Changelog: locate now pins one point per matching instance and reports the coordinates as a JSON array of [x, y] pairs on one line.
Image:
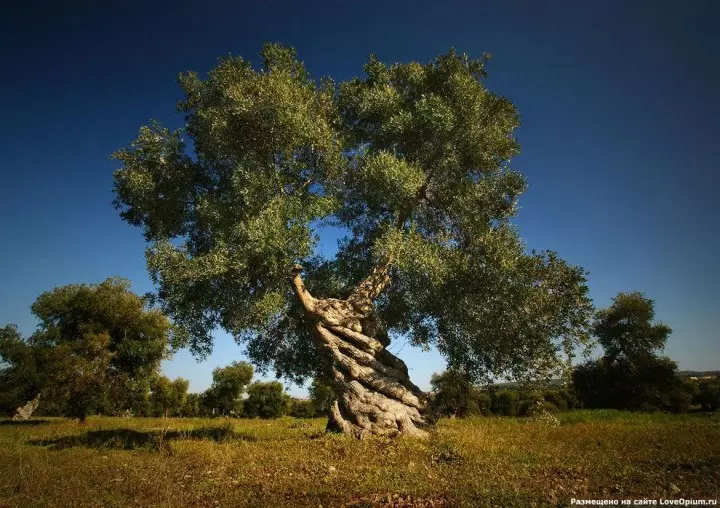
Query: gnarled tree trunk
[[374, 392]]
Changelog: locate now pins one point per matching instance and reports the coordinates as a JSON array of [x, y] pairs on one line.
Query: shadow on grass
[[22, 423], [128, 439]]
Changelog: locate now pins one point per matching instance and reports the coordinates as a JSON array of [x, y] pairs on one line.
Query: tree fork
[[374, 393]]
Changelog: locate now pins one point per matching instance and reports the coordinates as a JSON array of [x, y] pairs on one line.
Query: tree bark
[[374, 393]]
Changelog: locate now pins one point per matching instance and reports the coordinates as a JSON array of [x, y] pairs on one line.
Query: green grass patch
[[475, 462]]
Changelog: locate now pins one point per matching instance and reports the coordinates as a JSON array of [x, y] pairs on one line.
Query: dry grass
[[476, 462]]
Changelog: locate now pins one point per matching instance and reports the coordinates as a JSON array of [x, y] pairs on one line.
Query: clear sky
[[619, 103]]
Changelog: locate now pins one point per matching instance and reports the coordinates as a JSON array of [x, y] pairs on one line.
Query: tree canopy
[[631, 375], [265, 400], [625, 329], [411, 161], [228, 384], [96, 346], [168, 396]]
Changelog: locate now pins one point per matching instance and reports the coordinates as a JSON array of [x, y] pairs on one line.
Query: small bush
[[708, 395], [506, 403], [302, 409]]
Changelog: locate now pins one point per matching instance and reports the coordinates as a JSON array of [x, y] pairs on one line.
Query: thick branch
[[306, 299], [369, 289]]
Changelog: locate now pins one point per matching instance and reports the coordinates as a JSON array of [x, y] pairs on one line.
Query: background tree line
[[631, 375], [98, 348]]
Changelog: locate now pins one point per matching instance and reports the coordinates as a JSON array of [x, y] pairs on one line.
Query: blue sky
[[619, 103]]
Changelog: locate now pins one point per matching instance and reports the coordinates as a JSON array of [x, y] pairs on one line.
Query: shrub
[[454, 394], [505, 403], [321, 395], [557, 399], [647, 384], [300, 408], [483, 402], [708, 395]]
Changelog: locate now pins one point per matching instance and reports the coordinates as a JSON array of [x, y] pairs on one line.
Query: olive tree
[[94, 342], [412, 162], [631, 374], [228, 385]]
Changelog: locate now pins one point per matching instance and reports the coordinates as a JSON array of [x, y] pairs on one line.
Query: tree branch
[[307, 300]]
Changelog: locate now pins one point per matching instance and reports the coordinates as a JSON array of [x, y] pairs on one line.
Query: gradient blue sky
[[619, 104]]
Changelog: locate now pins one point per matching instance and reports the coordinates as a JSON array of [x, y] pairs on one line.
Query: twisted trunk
[[374, 392]]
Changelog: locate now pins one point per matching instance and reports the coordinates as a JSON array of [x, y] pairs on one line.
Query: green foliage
[[453, 394], [680, 399], [21, 377], [411, 160], [621, 384], [168, 397], [630, 375], [625, 330], [505, 403], [708, 395], [228, 385], [300, 408], [562, 399], [321, 396], [192, 406], [265, 400], [95, 348]]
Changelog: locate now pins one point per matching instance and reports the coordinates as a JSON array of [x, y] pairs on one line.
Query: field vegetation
[[478, 461]]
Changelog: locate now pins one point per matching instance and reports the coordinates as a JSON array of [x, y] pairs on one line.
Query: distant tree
[[681, 397], [630, 375], [137, 397], [625, 329], [168, 397], [708, 394], [94, 342], [192, 406], [505, 403], [322, 396], [265, 400], [455, 395], [302, 408], [562, 399], [228, 385], [20, 378]]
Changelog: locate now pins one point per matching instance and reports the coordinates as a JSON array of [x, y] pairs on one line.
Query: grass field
[[288, 462]]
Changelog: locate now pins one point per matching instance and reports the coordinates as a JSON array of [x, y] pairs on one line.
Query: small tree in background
[[321, 395], [168, 397], [94, 346], [228, 385], [505, 403], [265, 400], [20, 378], [708, 395], [301, 408], [625, 329], [455, 395], [192, 406], [630, 375]]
